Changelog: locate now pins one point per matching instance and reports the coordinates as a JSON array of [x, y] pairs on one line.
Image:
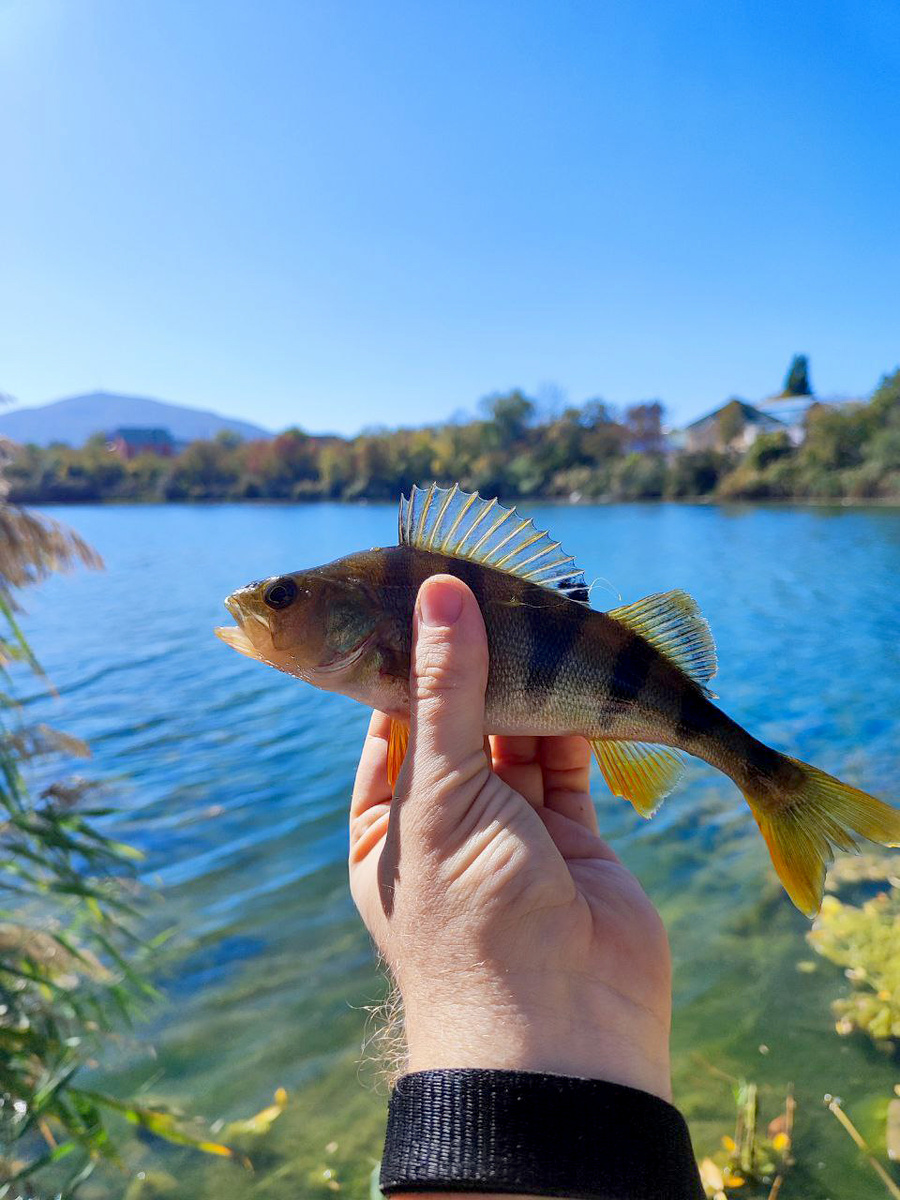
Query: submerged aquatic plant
[[867, 867], [751, 1164], [864, 939]]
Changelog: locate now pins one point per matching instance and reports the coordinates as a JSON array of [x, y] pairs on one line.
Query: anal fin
[[398, 740], [642, 773]]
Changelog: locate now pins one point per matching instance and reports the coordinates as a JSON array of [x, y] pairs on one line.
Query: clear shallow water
[[235, 780]]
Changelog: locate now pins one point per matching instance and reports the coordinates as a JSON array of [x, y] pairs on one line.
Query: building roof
[[781, 401], [751, 415], [143, 437]]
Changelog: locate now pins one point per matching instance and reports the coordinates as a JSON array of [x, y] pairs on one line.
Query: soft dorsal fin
[[674, 625], [461, 524]]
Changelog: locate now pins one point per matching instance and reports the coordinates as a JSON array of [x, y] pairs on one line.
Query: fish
[[633, 681]]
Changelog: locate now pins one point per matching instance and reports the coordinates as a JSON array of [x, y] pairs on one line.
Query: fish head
[[321, 625]]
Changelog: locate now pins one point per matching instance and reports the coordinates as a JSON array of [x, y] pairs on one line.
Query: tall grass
[[71, 961]]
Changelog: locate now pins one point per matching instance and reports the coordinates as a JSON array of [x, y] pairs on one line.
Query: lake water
[[235, 780]]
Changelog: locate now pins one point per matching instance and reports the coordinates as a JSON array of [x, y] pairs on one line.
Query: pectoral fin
[[642, 774], [398, 740]]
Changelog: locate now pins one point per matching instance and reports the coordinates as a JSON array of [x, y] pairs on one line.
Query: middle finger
[[516, 760]]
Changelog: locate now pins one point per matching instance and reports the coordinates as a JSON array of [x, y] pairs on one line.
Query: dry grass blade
[[69, 961], [31, 546], [834, 1105]]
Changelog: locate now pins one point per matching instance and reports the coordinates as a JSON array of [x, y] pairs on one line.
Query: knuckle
[[435, 674], [440, 669], [443, 779], [462, 781]]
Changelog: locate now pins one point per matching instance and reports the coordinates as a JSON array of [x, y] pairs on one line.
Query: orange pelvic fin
[[641, 773], [398, 740]]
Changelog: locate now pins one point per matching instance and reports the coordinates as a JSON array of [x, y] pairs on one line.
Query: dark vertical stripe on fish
[[764, 759], [392, 569], [472, 574], [630, 670], [401, 573], [553, 633], [693, 715]]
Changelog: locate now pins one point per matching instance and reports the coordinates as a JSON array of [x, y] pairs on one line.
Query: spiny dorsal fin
[[674, 625], [641, 773], [461, 524]]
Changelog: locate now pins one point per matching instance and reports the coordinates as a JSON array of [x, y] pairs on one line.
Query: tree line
[[510, 449]]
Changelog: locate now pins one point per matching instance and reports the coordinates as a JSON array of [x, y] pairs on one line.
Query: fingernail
[[440, 603]]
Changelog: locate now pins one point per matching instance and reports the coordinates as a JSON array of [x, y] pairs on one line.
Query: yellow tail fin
[[802, 827]]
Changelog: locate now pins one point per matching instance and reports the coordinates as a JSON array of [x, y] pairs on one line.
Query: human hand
[[517, 938]]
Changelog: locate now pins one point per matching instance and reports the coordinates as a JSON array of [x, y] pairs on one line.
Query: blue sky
[[342, 214]]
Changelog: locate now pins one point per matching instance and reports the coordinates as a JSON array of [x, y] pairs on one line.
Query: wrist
[[530, 1027]]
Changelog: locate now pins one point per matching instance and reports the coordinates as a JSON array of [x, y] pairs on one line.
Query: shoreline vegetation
[[847, 454], [74, 964]]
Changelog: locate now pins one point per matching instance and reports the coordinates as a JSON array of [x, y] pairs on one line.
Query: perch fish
[[633, 681]]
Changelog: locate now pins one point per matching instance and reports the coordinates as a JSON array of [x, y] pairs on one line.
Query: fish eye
[[280, 594]]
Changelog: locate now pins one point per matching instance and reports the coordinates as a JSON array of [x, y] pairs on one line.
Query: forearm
[[532, 1023]]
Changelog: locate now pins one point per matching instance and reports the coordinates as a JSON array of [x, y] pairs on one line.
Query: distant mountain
[[74, 420]]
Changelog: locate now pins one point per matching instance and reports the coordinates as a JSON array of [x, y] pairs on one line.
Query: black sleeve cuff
[[542, 1135]]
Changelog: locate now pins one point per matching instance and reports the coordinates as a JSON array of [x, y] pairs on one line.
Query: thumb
[[448, 677]]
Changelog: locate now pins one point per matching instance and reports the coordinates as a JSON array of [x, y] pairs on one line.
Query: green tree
[[796, 382], [695, 474], [835, 438], [206, 470], [638, 477], [644, 425], [604, 437], [885, 403], [146, 476], [335, 468], [769, 448], [511, 414]]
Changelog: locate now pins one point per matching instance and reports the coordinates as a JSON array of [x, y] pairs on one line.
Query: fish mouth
[[235, 637], [253, 637], [244, 614], [240, 637]]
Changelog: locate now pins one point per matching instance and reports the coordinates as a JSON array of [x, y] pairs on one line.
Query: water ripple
[[235, 780]]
